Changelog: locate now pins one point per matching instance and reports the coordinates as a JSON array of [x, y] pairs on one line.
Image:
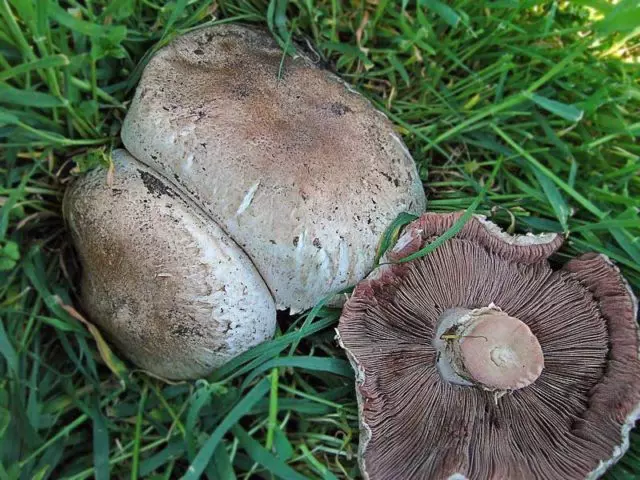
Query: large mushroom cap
[[444, 395], [171, 289], [301, 171]]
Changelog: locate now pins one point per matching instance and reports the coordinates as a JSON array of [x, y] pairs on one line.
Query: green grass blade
[[313, 461], [8, 351], [271, 348], [174, 449], [223, 465], [137, 439], [624, 17], [14, 96], [391, 234], [100, 443], [46, 62], [547, 172], [447, 13], [330, 365], [458, 224], [568, 112], [199, 399], [239, 410], [554, 197], [261, 455], [82, 26]]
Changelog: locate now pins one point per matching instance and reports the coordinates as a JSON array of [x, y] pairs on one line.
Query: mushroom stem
[[487, 348]]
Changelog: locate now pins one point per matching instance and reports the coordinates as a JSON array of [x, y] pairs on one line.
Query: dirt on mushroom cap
[[299, 169], [167, 285], [571, 423]]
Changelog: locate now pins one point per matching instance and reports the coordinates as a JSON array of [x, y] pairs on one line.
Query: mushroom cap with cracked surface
[[299, 169]]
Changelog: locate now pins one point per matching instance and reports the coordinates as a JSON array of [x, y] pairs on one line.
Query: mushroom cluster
[[480, 361], [251, 181]]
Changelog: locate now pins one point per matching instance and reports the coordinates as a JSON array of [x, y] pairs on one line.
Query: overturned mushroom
[[480, 361], [273, 158]]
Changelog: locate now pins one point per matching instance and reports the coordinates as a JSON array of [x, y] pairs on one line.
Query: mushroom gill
[[567, 416]]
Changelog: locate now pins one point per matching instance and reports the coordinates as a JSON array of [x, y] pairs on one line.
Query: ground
[[526, 111]]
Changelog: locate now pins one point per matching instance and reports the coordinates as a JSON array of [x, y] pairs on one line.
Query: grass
[[528, 111]]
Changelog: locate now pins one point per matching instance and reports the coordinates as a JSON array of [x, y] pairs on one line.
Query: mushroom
[[171, 289], [299, 169], [480, 361], [270, 165]]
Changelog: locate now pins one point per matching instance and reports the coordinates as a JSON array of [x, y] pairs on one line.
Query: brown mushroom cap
[[172, 290], [300, 170], [572, 422]]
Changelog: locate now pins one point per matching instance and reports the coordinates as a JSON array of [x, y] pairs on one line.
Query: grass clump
[[527, 111]]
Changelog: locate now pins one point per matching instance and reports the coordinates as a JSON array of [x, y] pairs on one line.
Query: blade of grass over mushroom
[[460, 222], [613, 255], [285, 51], [111, 360], [391, 234], [450, 233]]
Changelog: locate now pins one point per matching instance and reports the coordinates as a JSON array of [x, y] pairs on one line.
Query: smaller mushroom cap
[[432, 413], [168, 286]]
